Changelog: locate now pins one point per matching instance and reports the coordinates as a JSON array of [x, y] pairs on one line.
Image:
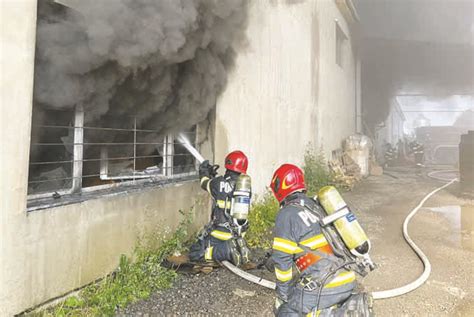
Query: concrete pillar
[[17, 34]]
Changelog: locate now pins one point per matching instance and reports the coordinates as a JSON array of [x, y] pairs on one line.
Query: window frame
[[169, 140], [342, 41]]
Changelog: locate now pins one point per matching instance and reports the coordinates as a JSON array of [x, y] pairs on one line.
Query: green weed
[[133, 280], [316, 171], [261, 222]]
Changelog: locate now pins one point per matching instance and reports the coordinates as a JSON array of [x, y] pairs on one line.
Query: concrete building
[[296, 82]]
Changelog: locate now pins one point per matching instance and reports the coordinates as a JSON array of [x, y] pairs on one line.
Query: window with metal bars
[[69, 156]]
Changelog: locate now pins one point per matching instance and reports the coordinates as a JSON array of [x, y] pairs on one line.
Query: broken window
[[51, 151], [73, 150]]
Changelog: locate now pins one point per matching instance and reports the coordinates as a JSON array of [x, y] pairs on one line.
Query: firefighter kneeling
[[222, 239], [322, 283]]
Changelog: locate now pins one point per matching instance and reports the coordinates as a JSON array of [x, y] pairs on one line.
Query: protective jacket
[[307, 271], [221, 189], [418, 151], [390, 154]]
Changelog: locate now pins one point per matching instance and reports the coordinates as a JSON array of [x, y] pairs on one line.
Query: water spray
[[185, 142]]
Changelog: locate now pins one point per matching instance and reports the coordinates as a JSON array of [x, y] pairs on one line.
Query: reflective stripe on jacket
[[297, 229], [221, 189]]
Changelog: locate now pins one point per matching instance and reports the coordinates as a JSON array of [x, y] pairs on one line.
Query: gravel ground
[[219, 293], [381, 204]]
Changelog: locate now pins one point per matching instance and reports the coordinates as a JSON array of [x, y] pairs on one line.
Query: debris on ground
[[242, 293], [346, 173], [374, 168], [359, 147]]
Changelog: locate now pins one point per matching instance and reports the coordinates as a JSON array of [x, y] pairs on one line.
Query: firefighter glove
[[205, 169]]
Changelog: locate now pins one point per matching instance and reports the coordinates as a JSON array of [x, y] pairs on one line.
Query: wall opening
[[342, 48]]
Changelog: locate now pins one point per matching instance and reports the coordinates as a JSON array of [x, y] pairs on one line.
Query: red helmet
[[286, 180], [237, 161]]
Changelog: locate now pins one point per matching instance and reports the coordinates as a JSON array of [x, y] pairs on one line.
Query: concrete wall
[[53, 251], [47, 253], [337, 92], [286, 89]]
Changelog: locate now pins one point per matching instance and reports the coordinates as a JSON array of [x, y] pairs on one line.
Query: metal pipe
[[78, 149]]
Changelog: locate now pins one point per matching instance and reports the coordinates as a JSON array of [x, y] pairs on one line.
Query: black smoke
[[163, 61]]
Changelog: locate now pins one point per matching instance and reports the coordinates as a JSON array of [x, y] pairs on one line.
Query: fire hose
[[376, 295], [435, 175], [426, 263]]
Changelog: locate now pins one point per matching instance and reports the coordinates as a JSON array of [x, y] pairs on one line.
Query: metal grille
[[69, 156]]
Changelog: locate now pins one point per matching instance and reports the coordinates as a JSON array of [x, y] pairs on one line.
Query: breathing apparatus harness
[[339, 249], [234, 225], [346, 259]]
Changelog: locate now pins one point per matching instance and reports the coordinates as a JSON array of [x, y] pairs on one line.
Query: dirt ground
[[443, 229]]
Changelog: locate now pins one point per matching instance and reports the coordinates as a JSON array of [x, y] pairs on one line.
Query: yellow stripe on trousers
[[341, 279], [284, 276]]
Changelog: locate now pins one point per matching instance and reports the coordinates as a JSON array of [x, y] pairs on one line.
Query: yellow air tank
[[348, 227]]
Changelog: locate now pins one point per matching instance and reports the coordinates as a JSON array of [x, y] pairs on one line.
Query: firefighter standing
[[322, 283], [418, 151], [390, 155], [222, 238]]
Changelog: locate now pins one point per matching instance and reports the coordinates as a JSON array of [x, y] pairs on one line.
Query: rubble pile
[[349, 165], [346, 173]]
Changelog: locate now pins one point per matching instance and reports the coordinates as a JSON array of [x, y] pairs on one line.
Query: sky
[[440, 112]]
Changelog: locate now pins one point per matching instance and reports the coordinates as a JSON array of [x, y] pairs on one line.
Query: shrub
[[316, 170], [262, 220]]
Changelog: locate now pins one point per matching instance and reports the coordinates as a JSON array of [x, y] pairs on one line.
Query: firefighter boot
[[234, 253], [244, 250]]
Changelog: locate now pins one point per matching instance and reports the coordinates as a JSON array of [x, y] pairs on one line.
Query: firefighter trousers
[[357, 305], [218, 244]]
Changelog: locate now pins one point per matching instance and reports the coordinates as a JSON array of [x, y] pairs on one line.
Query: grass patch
[[133, 280]]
